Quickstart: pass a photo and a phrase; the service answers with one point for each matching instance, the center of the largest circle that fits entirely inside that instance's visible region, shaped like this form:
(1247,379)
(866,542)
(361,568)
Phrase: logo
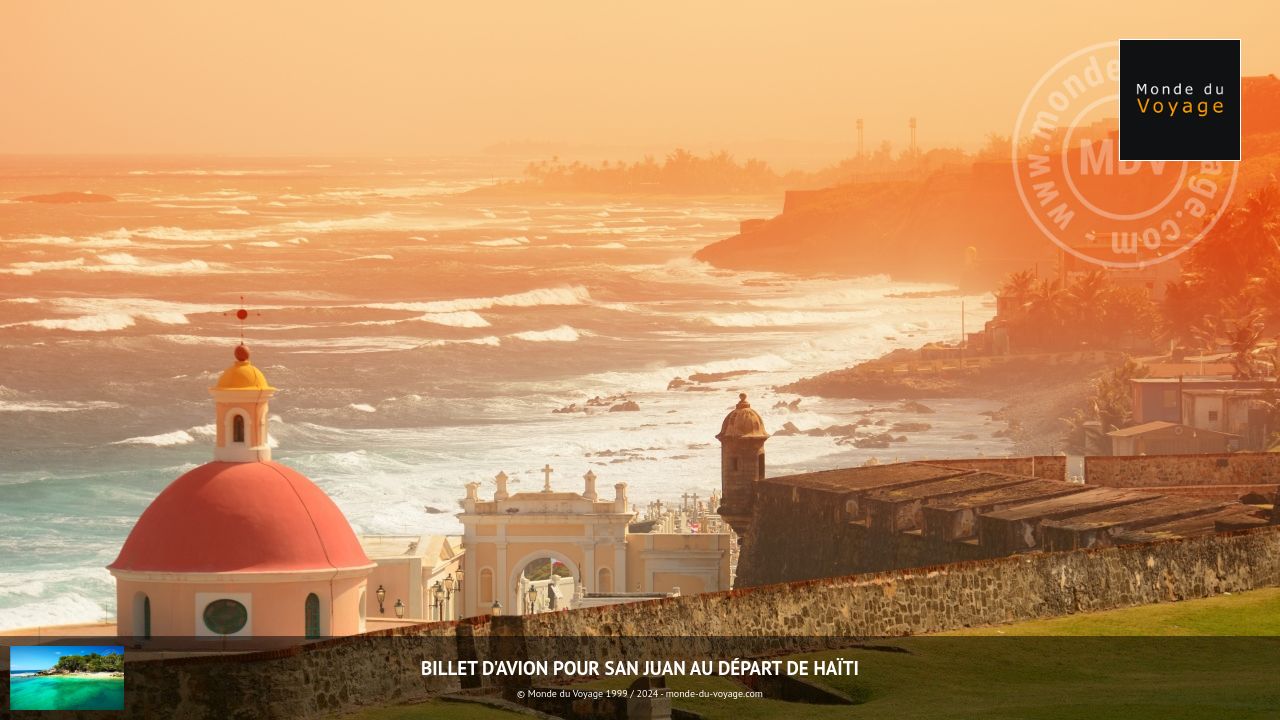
(1095,206)
(1180,100)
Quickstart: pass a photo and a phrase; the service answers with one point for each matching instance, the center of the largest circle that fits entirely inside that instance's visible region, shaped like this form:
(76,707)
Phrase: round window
(225,617)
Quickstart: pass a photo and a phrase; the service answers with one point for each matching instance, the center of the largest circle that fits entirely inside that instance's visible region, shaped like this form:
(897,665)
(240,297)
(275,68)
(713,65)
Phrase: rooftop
(1160,508)
(1029,491)
(867,477)
(949,486)
(1159,425)
(1207,379)
(1092,498)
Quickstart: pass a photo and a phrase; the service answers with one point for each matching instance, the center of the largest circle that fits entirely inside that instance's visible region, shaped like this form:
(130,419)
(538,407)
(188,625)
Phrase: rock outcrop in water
(67,198)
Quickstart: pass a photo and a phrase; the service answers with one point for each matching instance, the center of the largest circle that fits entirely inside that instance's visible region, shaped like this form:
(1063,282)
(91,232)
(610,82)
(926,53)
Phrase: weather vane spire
(241,314)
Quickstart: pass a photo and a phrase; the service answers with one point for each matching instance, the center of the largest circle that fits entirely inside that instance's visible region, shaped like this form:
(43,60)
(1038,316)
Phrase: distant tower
(861,146)
(912,124)
(741,439)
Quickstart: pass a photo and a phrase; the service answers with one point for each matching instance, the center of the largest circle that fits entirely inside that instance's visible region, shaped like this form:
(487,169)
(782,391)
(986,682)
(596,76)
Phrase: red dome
(241,517)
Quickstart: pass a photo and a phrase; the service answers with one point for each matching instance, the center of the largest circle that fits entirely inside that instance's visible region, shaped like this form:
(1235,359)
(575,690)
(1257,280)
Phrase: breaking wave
(575,295)
(783,318)
(564,333)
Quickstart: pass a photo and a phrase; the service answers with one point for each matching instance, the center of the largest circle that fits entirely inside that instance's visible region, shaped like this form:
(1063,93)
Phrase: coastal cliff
(962,224)
(965,226)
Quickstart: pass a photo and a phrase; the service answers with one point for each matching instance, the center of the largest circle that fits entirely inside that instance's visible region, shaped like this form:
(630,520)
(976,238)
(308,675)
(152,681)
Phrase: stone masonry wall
(343,674)
(800,533)
(945,597)
(1048,467)
(1158,471)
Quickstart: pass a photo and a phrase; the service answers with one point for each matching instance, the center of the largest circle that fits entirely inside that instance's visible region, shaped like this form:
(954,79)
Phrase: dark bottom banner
(499,675)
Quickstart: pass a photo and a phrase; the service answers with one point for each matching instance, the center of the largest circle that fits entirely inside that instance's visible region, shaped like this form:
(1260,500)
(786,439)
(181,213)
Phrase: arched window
(313,616)
(486,589)
(237,429)
(142,616)
(760,469)
(605,584)
(364,611)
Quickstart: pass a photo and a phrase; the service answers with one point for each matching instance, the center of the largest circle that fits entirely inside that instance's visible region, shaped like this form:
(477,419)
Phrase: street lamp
(438,591)
(448,594)
(496,610)
(381,592)
(530,597)
(399,608)
(459,587)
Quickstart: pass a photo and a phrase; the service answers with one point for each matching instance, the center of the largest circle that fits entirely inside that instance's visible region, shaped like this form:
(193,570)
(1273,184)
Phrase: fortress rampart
(886,517)
(1228,476)
(338,675)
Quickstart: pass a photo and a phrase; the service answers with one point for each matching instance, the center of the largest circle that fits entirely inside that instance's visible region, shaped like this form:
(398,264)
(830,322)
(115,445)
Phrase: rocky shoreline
(1034,394)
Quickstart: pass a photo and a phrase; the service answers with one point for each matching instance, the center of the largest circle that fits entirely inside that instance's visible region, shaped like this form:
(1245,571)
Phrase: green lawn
(1252,613)
(435,710)
(1171,661)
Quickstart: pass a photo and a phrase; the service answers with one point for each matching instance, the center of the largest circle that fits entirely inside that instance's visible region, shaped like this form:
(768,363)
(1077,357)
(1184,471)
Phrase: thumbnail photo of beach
(66,677)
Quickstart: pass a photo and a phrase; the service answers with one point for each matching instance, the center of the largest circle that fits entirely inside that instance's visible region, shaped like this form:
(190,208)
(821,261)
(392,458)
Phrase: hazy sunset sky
(415,78)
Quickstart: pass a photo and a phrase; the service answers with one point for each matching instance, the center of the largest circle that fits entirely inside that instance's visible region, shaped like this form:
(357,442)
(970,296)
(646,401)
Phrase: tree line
(1225,300)
(685,172)
(91,663)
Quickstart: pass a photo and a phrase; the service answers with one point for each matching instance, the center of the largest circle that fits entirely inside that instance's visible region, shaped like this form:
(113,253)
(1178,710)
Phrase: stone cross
(546,472)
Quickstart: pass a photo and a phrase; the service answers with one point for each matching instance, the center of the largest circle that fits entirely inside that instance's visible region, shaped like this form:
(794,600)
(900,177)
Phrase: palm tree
(1018,285)
(1246,239)
(1087,298)
(1183,310)
(1257,228)
(1047,309)
(1240,324)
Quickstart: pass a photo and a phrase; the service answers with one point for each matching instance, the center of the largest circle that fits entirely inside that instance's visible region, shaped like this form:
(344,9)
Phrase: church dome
(241,517)
(742,422)
(242,375)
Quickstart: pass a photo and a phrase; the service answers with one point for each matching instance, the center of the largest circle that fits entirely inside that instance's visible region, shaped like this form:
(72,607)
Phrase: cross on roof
(546,472)
(241,314)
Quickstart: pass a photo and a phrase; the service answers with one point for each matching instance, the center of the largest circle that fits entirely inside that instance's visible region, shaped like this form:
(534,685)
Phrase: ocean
(422,329)
(31,692)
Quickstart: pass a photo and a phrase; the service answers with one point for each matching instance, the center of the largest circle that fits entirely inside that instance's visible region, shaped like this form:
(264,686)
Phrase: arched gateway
(503,537)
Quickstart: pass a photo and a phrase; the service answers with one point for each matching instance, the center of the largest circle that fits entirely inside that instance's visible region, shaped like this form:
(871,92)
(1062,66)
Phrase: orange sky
(414,78)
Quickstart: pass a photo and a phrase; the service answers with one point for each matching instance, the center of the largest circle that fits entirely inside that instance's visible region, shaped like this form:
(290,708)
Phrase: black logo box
(1187,68)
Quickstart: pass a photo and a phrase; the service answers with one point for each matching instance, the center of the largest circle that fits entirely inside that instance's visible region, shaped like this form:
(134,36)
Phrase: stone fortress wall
(335,676)
(829,557)
(1228,477)
(886,517)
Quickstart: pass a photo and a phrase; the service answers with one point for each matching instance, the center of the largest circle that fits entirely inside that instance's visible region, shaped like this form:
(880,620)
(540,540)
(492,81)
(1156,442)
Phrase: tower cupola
(742,436)
(240,403)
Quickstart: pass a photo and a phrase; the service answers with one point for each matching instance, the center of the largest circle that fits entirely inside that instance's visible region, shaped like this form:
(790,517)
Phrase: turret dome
(242,375)
(742,422)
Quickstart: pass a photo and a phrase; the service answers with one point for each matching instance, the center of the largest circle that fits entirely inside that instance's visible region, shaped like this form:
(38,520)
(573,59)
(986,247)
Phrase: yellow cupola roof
(242,375)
